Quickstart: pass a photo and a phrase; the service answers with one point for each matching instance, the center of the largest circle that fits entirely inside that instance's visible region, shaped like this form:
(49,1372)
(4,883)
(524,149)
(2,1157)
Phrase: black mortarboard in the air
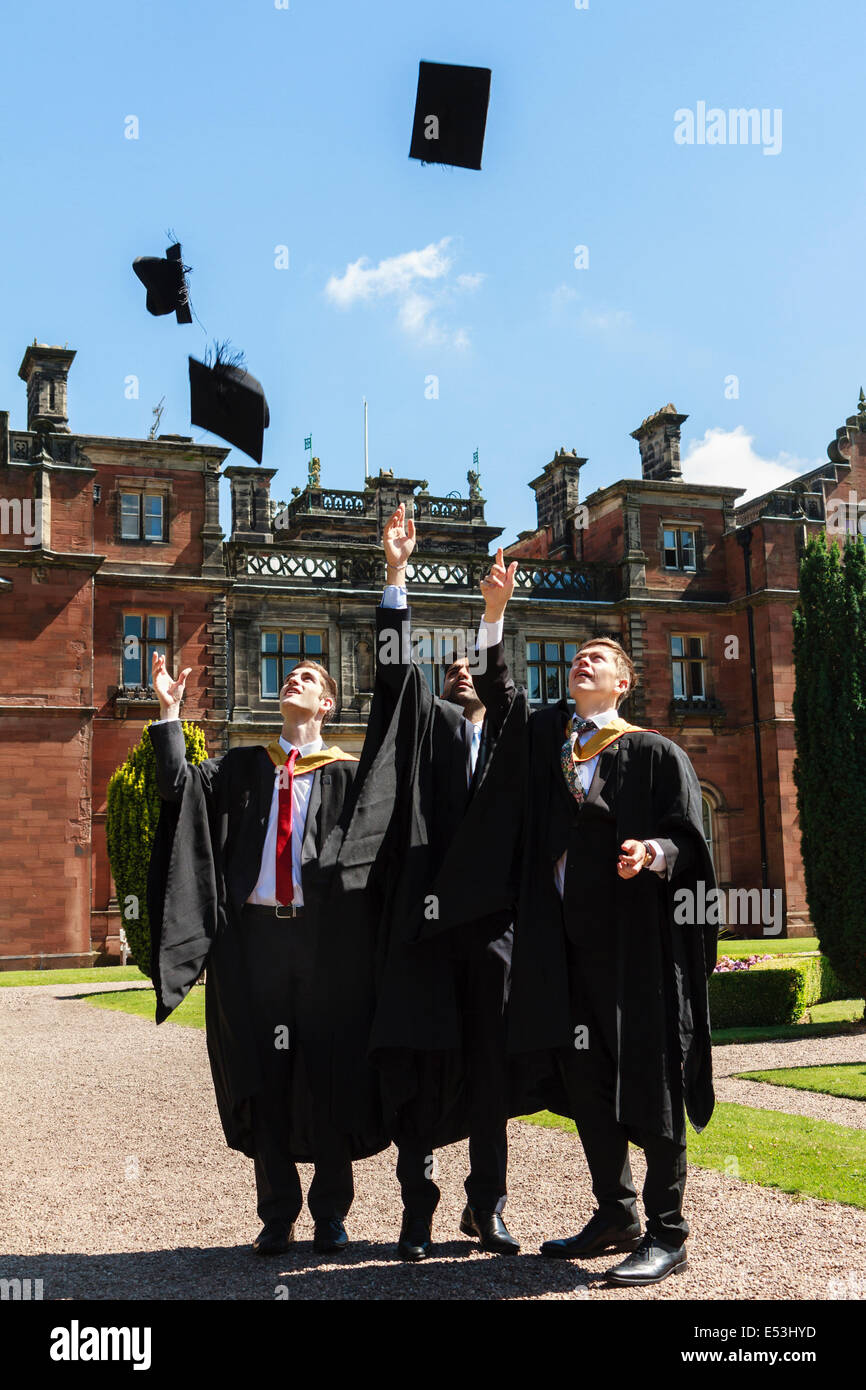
(226,400)
(165,282)
(451,105)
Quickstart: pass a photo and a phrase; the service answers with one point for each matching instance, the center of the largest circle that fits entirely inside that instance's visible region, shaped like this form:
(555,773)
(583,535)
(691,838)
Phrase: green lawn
(768,946)
(845,1079)
(143,1003)
(810,1158)
(96,975)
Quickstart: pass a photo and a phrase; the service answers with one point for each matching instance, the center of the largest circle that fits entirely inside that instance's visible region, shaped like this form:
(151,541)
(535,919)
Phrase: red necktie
(285,890)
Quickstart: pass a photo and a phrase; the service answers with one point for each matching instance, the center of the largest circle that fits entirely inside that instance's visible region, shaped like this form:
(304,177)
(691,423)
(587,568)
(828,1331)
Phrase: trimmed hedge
(822,983)
(772,992)
(757,998)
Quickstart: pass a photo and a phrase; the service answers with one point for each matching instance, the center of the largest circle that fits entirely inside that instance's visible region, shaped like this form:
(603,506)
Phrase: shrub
(830,730)
(822,982)
(759,997)
(131,821)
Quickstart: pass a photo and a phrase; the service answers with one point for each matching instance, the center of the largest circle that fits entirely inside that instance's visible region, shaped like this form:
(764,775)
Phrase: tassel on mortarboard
(227,401)
(164,278)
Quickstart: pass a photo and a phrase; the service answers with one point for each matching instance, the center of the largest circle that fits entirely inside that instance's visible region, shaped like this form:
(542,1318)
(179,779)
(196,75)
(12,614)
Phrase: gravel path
(793,1052)
(117,1184)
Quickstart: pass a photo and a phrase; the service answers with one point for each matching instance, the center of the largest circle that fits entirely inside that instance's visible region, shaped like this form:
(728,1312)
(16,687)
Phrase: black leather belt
(256,912)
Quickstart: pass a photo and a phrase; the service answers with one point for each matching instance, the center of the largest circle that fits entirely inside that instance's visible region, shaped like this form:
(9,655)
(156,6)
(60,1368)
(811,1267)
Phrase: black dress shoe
(597,1236)
(415,1238)
(329,1237)
(490,1229)
(650,1263)
(274,1238)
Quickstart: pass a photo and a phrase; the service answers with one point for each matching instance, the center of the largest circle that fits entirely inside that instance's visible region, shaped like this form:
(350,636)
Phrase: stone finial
(861,404)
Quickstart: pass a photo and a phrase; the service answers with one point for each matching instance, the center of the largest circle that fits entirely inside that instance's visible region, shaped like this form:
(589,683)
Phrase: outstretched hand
(497,587)
(399,542)
(169,691)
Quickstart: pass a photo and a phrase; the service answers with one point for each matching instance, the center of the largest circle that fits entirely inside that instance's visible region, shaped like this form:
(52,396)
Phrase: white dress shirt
(474,745)
(264,893)
(395,596)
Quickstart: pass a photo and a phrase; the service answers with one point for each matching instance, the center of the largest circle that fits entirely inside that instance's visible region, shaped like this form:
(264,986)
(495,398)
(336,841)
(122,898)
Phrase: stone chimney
(45,370)
(557,492)
(251,501)
(659,442)
(390,492)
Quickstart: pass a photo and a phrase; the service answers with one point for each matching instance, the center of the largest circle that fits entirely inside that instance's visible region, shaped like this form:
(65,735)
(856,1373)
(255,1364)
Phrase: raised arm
(169,746)
(392,616)
(494,683)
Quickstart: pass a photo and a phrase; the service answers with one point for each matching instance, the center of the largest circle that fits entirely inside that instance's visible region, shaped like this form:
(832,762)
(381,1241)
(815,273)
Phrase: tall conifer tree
(830,732)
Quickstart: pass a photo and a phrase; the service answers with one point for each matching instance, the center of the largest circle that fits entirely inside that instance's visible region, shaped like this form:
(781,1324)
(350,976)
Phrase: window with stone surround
(143,634)
(547,667)
(688,665)
(281,651)
(143,517)
(680,548)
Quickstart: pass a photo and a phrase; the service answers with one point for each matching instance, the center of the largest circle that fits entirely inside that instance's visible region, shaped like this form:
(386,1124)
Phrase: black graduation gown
(650,788)
(204,864)
(421,847)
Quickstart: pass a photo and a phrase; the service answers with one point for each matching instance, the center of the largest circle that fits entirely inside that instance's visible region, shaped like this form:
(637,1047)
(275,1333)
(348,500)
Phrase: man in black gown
(605,978)
(463,737)
(234,882)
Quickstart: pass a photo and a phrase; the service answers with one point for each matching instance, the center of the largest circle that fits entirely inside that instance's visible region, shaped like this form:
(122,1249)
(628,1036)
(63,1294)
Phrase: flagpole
(366,445)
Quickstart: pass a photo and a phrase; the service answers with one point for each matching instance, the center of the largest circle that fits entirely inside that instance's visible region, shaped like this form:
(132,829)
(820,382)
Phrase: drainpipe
(744,537)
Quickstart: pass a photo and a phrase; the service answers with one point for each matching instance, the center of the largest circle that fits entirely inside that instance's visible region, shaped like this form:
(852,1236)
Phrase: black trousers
(589,1076)
(482,969)
(290,1113)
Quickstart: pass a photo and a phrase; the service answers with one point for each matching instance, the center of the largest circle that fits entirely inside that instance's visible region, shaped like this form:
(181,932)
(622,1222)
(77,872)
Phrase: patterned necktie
(569,767)
(285,888)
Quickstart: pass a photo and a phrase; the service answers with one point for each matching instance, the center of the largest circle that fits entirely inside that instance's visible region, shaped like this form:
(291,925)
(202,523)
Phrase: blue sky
(262,127)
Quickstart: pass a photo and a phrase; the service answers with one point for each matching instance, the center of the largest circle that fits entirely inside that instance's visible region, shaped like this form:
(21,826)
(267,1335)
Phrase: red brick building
(74,574)
(111,547)
(705,593)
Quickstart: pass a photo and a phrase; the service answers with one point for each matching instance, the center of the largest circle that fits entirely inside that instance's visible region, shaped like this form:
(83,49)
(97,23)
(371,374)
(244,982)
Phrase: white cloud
(562,295)
(414,312)
(607,322)
(727,458)
(417,282)
(615,329)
